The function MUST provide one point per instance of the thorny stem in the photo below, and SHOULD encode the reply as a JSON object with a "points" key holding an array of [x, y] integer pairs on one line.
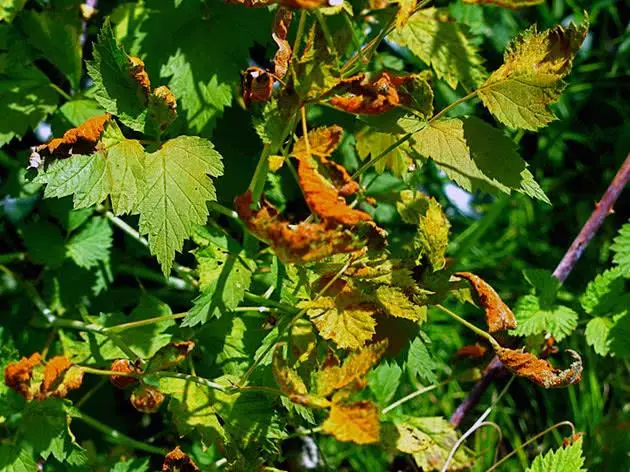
{"points": [[562, 271], [478, 331], [116, 436]]}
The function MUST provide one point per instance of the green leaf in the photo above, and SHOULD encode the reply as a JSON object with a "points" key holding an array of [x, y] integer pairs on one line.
{"points": [[45, 243], [619, 335], [132, 465], [565, 459], [373, 143], [92, 244], [56, 34], [545, 285], [621, 248], [316, 71], [596, 333], [177, 188], [14, 459], [440, 42], [10, 8], [534, 318], [115, 88], [606, 295], [224, 279], [420, 363], [519, 93], [384, 380], [116, 170]]}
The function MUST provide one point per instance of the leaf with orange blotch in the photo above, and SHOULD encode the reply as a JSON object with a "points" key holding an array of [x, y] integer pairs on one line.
{"points": [[321, 143], [60, 376], [498, 315], [80, 140], [354, 422], [146, 399], [540, 371], [335, 377], [305, 242], [281, 24], [17, 375], [511, 4], [364, 97], [139, 74], [178, 461], [257, 85]]}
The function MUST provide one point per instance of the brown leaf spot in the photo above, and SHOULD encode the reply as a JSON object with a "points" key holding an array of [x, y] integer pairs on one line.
{"points": [[146, 399], [498, 315], [257, 85], [80, 140], [540, 371], [178, 461], [126, 367], [17, 375], [137, 72]]}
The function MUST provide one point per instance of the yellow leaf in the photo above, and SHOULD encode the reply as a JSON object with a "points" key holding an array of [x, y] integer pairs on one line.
{"points": [[349, 326], [275, 163], [396, 303], [356, 422], [287, 379], [322, 142]]}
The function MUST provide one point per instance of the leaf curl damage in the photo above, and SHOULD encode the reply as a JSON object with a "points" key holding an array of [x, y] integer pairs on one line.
{"points": [[540, 371], [498, 315], [281, 23], [178, 461]]}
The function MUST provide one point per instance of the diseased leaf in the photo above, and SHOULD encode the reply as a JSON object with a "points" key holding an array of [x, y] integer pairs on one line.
{"points": [[178, 461], [169, 356], [177, 187], [322, 142], [146, 399], [621, 248], [439, 42], [80, 140], [540, 371], [281, 24], [566, 459], [257, 85], [316, 70], [519, 92], [356, 422], [499, 317]]}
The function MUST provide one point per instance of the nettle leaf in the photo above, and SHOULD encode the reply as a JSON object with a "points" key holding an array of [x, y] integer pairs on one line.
{"points": [[597, 331], [621, 248], [10, 8], [533, 317], [92, 244], [440, 42], [14, 459], [115, 170], [519, 92], [566, 459], [468, 149], [224, 278], [606, 295], [420, 363], [177, 188], [384, 381]]}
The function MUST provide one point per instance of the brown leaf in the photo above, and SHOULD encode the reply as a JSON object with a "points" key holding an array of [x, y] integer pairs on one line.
{"points": [[498, 315], [178, 461], [281, 24], [540, 371], [360, 96], [257, 85], [126, 367], [80, 140], [139, 74], [356, 422], [304, 242], [17, 375], [60, 376], [146, 399], [473, 351], [322, 142]]}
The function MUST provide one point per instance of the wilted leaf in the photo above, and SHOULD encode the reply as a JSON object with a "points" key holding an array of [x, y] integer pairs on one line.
{"points": [[17, 375], [519, 93], [124, 366], [355, 422], [499, 317], [322, 142], [473, 351], [146, 399], [281, 24], [540, 371], [178, 461], [60, 376]]}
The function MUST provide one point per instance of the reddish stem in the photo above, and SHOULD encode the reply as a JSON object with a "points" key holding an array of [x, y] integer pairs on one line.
{"points": [[564, 268]]}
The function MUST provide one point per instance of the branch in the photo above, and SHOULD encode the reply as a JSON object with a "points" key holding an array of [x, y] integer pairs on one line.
{"points": [[562, 271]]}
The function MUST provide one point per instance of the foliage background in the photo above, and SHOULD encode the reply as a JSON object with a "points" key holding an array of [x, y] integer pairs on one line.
{"points": [[574, 159]]}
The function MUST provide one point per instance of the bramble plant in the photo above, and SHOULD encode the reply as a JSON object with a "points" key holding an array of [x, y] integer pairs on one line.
{"points": [[230, 310]]}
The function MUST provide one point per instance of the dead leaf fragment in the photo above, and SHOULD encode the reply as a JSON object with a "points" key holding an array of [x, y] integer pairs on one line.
{"points": [[126, 367], [498, 315], [17, 375], [146, 399], [473, 351], [308, 4], [257, 85], [353, 422], [178, 461], [281, 23], [322, 142], [80, 140], [540, 371], [139, 74]]}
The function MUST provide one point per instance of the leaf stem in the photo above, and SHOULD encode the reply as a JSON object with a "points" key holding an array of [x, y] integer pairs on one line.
{"points": [[116, 436], [472, 327], [384, 153], [107, 373], [327, 35], [299, 33], [453, 105], [192, 378], [12, 256], [145, 322], [411, 396], [60, 91]]}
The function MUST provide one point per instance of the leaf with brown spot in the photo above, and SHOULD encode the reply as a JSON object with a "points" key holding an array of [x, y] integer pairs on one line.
{"points": [[146, 399], [354, 422], [170, 355], [305, 242], [17, 375], [540, 371], [321, 141], [257, 85], [139, 74], [80, 140], [305, 4], [178, 461], [281, 23], [498, 315], [124, 366], [162, 109], [364, 97]]}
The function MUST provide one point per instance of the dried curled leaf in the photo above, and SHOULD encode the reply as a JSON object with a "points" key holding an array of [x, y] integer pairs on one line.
{"points": [[146, 399], [356, 422], [473, 351], [498, 315], [257, 85], [178, 461], [322, 142], [123, 366], [334, 377], [170, 355], [387, 91], [139, 74], [17, 375], [540, 371], [305, 242], [281, 24], [80, 140]]}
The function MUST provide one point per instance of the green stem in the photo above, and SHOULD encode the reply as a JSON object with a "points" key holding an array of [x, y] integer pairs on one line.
{"points": [[12, 256], [252, 297], [411, 396], [300, 32], [107, 373], [60, 91], [260, 174], [454, 104], [470, 326], [192, 378], [146, 322], [116, 436], [148, 274], [224, 211]]}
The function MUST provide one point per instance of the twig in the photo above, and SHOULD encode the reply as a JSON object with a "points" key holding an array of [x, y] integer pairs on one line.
{"points": [[562, 271]]}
